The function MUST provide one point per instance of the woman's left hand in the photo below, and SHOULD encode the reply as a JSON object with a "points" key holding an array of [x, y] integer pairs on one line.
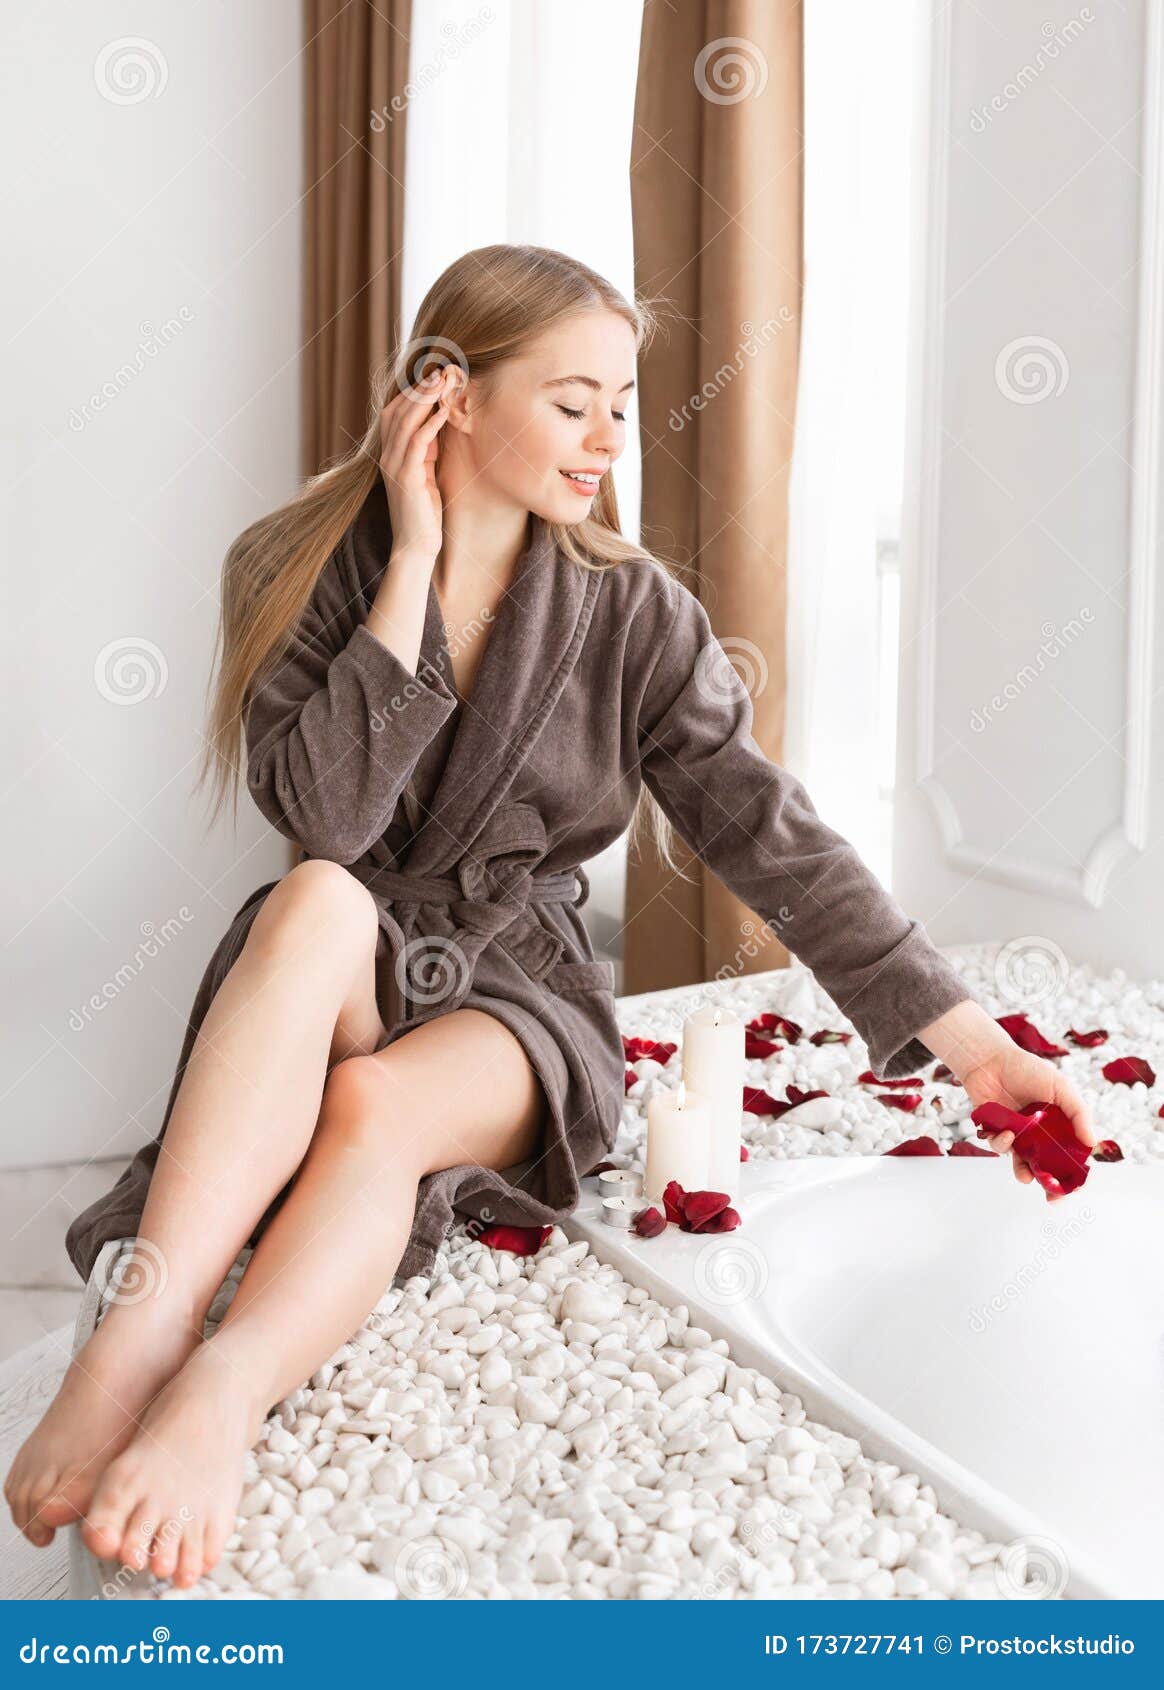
{"points": [[1012, 1076]]}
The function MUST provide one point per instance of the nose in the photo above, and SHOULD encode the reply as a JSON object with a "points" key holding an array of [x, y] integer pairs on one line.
{"points": [[605, 438]]}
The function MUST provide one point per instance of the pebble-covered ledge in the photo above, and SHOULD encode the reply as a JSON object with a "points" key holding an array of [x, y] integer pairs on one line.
{"points": [[539, 1427]]}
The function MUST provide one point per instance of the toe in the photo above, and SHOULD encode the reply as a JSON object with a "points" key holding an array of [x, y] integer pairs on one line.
{"points": [[190, 1556], [113, 1503], [138, 1538], [65, 1501], [39, 1532], [168, 1546], [19, 1504], [214, 1537], [102, 1534], [217, 1535]]}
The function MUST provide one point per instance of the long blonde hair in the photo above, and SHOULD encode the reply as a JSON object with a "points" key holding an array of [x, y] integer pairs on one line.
{"points": [[484, 309]]}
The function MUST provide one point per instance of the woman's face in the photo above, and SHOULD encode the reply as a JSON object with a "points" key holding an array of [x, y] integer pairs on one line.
{"points": [[552, 420]]}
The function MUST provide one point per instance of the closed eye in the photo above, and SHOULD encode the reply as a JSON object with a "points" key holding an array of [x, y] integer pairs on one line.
{"points": [[619, 416]]}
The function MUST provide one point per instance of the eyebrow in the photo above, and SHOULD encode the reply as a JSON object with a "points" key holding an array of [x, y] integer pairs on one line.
{"points": [[587, 381]]}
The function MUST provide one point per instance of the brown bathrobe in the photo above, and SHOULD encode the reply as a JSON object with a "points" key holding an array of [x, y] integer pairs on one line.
{"points": [[468, 822]]}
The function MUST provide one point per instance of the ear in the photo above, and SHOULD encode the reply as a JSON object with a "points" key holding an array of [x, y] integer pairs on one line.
{"points": [[458, 392]]}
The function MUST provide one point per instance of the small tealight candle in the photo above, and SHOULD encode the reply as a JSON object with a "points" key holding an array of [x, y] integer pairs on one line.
{"points": [[620, 1211], [678, 1141], [713, 1064], [620, 1182]]}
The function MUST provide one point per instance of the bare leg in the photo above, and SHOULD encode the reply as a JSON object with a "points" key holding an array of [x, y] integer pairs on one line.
{"points": [[301, 994], [323, 1262]]}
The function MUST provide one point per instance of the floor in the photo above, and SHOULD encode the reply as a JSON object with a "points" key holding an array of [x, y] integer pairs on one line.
{"points": [[39, 1288], [39, 1298]]}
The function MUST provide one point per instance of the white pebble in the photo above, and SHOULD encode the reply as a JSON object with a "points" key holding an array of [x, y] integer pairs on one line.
{"points": [[316, 1501], [534, 1406], [585, 1302]]}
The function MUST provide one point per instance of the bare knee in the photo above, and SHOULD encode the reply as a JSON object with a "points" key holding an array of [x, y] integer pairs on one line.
{"points": [[319, 904], [366, 1105]]}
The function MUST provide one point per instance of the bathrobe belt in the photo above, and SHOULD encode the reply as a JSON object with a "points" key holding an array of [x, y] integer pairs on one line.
{"points": [[444, 922]]}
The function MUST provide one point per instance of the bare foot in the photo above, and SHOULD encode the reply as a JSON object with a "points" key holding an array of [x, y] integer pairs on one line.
{"points": [[132, 1354], [171, 1497]]}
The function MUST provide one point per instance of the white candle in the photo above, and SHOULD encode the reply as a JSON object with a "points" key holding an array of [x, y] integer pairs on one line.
{"points": [[713, 1065], [678, 1141]]}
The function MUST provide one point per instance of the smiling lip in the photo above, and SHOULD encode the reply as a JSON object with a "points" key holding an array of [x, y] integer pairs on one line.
{"points": [[587, 490]]}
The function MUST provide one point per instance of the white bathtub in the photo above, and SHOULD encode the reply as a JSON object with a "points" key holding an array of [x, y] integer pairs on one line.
{"points": [[1009, 1350]]}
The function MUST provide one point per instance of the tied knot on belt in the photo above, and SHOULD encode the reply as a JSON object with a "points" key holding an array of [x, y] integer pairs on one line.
{"points": [[445, 922]]}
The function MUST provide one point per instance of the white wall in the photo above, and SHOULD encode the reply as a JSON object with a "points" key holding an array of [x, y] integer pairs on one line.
{"points": [[1032, 762], [151, 326]]}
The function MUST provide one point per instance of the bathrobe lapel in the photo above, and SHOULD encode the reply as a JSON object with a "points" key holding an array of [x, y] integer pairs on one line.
{"points": [[532, 647]]}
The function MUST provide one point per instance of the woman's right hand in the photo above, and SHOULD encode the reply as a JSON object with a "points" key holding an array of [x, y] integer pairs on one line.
{"points": [[408, 454]]}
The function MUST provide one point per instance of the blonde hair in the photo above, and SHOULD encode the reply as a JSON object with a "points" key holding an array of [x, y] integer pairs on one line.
{"points": [[485, 308]]}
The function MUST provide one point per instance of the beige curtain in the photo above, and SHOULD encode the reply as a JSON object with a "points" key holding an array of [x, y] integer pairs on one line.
{"points": [[716, 184], [355, 68]]}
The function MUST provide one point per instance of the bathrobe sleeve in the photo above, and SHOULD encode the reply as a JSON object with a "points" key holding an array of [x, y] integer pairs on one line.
{"points": [[337, 725], [754, 825]]}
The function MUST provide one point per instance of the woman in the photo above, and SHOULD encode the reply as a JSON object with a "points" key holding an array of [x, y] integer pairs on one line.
{"points": [[413, 1017]]}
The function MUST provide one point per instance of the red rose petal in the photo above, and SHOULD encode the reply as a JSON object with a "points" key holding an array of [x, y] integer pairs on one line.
{"points": [[636, 1049], [1129, 1071], [924, 1146], [1028, 1037], [941, 1074], [519, 1240], [869, 1078], [777, 1024], [1087, 1040], [674, 1198], [743, 1152], [700, 1206], [964, 1147], [894, 1100], [629, 1079], [991, 1118], [757, 1101], [726, 1221], [648, 1223], [827, 1037], [1045, 1139], [756, 1049], [602, 1168], [1107, 1150]]}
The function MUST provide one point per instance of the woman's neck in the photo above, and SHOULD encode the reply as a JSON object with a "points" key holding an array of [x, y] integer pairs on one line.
{"points": [[482, 540]]}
